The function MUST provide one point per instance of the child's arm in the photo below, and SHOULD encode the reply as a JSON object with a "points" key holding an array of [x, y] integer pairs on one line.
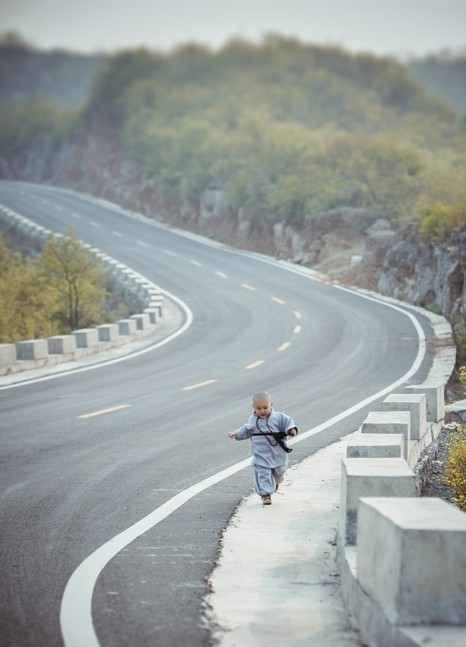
{"points": [[240, 434]]}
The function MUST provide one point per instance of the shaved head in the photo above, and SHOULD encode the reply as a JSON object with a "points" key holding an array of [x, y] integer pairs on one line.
{"points": [[261, 396]]}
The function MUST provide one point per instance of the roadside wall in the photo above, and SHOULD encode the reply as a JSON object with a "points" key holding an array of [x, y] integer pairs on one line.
{"points": [[36, 353]]}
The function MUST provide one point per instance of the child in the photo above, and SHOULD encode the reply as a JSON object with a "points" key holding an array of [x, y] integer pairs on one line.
{"points": [[267, 430]]}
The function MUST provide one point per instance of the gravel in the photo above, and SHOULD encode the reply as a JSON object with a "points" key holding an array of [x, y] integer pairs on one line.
{"points": [[430, 468]]}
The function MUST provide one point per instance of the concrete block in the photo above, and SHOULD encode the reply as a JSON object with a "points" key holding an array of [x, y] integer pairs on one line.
{"points": [[108, 332], [32, 349], [411, 559], [153, 314], [7, 354], [86, 337], [127, 327], [435, 399], [142, 321], [61, 344], [376, 446], [415, 403], [156, 305], [389, 422], [362, 477]]}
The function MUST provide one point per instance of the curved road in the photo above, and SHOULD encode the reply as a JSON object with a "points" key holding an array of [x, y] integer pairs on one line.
{"points": [[70, 484]]}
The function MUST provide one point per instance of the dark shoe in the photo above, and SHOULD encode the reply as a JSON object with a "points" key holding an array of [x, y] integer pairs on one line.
{"points": [[266, 500]]}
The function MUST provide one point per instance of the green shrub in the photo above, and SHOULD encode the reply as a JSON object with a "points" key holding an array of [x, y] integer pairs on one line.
{"points": [[455, 466]]}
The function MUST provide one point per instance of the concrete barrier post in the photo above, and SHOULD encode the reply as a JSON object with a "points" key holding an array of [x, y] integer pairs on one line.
{"points": [[7, 354], [108, 332], [361, 477], [86, 337], [389, 422], [32, 349], [153, 315], [61, 344], [142, 321], [376, 446], [127, 327], [435, 399], [415, 403], [411, 559]]}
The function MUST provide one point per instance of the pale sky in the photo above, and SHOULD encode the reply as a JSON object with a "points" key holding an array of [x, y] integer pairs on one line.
{"points": [[401, 27]]}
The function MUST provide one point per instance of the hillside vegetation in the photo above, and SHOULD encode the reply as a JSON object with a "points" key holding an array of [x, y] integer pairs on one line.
{"points": [[288, 130]]}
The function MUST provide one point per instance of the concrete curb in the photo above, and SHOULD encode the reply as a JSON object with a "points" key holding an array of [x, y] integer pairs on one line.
{"points": [[38, 353]]}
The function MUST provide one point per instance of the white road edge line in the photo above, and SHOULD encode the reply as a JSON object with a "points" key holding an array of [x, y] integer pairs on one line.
{"points": [[76, 607]]}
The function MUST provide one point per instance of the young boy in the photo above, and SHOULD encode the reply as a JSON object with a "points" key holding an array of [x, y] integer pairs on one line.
{"points": [[267, 430]]}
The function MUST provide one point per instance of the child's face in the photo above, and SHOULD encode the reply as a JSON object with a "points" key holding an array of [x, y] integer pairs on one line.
{"points": [[262, 408]]}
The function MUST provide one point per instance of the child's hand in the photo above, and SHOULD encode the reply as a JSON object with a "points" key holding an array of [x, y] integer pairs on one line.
{"points": [[232, 434], [292, 432]]}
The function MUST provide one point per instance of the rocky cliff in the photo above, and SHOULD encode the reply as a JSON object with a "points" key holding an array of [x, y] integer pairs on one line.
{"points": [[354, 246]]}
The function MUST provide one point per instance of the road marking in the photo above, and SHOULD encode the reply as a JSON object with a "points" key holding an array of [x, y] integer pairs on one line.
{"points": [[222, 275], [196, 263], [101, 412], [58, 207], [297, 330], [198, 385], [95, 224], [45, 201], [255, 364], [297, 314], [167, 251], [248, 287], [117, 233], [284, 346], [277, 300], [75, 215], [142, 244]]}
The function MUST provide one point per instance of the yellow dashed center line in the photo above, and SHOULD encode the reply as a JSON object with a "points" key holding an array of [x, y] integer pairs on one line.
{"points": [[117, 233], [198, 385], [255, 364], [297, 314], [277, 300], [196, 263], [222, 275], [248, 287], [283, 346], [102, 411], [297, 330], [139, 242]]}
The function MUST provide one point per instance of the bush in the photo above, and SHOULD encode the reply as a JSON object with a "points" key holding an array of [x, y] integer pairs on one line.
{"points": [[455, 468]]}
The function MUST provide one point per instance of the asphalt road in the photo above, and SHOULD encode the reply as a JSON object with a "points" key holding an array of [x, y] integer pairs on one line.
{"points": [[70, 484]]}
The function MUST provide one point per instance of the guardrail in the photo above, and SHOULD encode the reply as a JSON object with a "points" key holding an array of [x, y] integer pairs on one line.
{"points": [[35, 353], [402, 557]]}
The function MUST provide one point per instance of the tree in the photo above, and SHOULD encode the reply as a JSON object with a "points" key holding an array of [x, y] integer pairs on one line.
{"points": [[25, 302], [76, 281]]}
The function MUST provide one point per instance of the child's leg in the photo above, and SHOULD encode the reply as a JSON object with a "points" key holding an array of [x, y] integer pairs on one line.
{"points": [[264, 480], [279, 474]]}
